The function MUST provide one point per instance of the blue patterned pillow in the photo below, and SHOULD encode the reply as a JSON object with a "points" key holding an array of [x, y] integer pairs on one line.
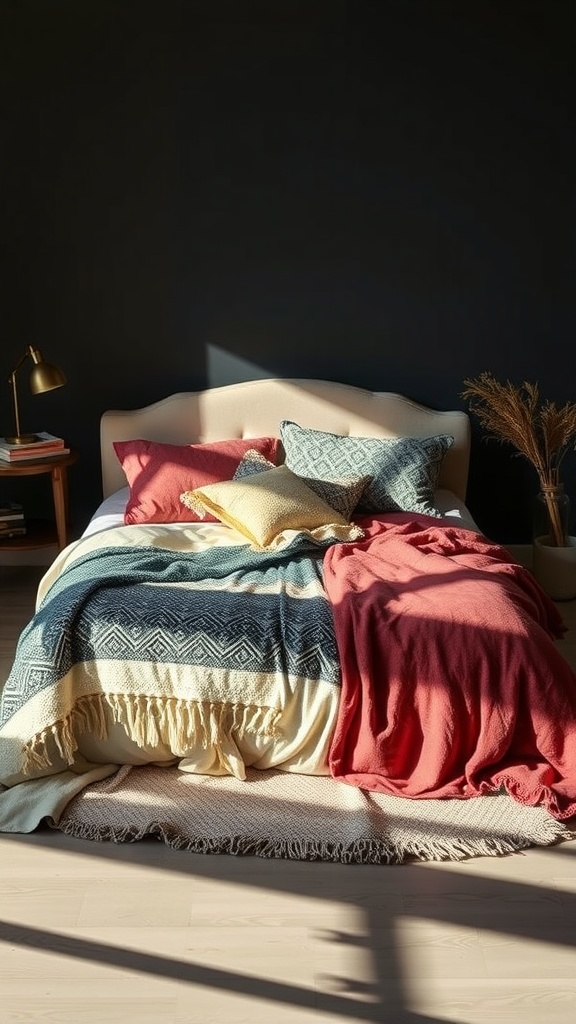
{"points": [[404, 470], [342, 495], [252, 462]]}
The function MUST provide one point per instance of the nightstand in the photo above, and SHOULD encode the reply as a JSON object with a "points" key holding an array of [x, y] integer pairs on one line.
{"points": [[40, 534]]}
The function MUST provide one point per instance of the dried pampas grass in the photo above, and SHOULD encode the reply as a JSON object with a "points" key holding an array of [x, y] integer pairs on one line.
{"points": [[541, 431]]}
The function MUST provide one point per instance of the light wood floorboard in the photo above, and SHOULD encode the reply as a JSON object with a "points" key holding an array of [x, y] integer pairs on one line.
{"points": [[118, 934]]}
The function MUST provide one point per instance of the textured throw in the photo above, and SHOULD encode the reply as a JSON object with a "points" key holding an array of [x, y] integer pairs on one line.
{"points": [[452, 685], [190, 654], [418, 662], [299, 817]]}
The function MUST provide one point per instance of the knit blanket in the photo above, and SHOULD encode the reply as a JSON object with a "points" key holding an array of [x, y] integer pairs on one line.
{"points": [[418, 662], [139, 654], [452, 684], [299, 817]]}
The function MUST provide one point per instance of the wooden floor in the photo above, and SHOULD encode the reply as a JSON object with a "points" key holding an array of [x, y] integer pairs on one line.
{"points": [[139, 933]]}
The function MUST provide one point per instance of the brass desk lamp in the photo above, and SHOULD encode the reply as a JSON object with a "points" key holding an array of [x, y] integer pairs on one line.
{"points": [[43, 377]]}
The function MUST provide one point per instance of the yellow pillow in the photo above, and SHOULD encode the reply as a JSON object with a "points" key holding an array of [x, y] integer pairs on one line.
{"points": [[263, 506]]}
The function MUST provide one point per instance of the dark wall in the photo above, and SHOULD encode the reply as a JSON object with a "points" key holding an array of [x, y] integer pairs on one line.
{"points": [[377, 193]]}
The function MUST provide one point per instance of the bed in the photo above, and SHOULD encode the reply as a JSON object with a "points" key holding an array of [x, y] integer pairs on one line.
{"points": [[284, 597]]}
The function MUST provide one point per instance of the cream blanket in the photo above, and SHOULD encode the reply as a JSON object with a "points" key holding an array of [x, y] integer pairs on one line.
{"points": [[163, 646]]}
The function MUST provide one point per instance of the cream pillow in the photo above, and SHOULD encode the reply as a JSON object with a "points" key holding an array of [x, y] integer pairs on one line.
{"points": [[265, 505], [342, 495]]}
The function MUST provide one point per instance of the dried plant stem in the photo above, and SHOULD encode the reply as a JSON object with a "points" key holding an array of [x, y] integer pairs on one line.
{"points": [[540, 431]]}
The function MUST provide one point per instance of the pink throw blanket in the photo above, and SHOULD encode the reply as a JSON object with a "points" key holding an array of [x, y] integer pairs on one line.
{"points": [[452, 683]]}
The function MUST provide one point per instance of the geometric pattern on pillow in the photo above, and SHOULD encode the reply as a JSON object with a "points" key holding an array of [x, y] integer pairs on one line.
{"points": [[341, 495], [404, 471], [264, 505], [158, 472], [250, 463]]}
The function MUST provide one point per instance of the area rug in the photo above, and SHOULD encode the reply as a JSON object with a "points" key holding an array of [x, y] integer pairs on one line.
{"points": [[300, 817]]}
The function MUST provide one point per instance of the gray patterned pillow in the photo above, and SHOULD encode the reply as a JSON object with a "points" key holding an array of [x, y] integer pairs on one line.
{"points": [[250, 463], [342, 495], [404, 470]]}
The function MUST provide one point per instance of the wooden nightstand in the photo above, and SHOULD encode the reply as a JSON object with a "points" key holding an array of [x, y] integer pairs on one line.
{"points": [[40, 534]]}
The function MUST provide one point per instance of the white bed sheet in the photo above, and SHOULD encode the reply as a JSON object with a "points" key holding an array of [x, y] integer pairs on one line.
{"points": [[110, 512]]}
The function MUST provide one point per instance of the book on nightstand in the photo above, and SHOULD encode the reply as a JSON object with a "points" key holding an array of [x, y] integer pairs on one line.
{"points": [[12, 521], [45, 445]]}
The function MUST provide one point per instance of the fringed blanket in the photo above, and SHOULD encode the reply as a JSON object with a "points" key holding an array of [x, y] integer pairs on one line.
{"points": [[452, 683], [300, 817], [419, 662], [218, 659]]}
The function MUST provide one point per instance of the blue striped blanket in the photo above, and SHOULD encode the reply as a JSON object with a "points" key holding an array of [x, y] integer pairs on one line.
{"points": [[178, 648]]}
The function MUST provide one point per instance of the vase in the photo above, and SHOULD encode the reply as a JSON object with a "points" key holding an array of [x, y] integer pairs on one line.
{"points": [[551, 516], [553, 547]]}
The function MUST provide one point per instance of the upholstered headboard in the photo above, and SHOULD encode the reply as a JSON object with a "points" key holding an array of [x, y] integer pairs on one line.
{"points": [[255, 408]]}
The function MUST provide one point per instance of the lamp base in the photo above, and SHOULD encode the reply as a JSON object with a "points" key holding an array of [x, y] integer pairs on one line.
{"points": [[24, 439]]}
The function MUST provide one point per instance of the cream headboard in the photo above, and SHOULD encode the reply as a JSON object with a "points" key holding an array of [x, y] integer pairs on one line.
{"points": [[255, 408]]}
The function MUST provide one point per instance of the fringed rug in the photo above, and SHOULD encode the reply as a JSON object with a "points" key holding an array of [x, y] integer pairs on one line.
{"points": [[275, 814]]}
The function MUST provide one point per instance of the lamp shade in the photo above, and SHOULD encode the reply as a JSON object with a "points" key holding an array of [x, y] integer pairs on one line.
{"points": [[45, 377]]}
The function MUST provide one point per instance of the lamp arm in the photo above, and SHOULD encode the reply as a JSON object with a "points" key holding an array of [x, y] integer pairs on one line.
{"points": [[12, 382], [15, 401], [22, 359]]}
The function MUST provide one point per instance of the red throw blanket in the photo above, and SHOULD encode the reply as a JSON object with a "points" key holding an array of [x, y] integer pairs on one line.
{"points": [[452, 685]]}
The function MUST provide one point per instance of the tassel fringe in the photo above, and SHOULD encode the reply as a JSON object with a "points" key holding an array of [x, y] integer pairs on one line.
{"points": [[386, 850], [148, 721]]}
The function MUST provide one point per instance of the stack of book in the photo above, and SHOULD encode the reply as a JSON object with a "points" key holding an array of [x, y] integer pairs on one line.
{"points": [[44, 446], [12, 523]]}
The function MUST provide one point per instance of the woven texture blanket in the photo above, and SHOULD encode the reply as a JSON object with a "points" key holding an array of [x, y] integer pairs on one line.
{"points": [[452, 683], [218, 659], [418, 662], [300, 817]]}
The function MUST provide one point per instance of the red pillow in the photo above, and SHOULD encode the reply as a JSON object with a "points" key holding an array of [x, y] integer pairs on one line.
{"points": [[159, 473]]}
